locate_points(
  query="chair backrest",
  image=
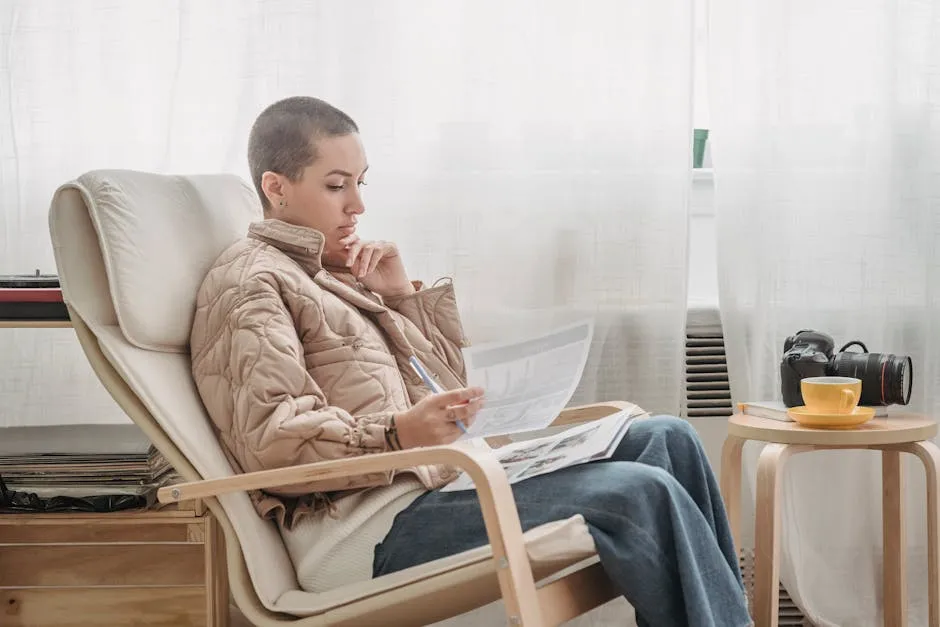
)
(132, 249)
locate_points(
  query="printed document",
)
(578, 445)
(527, 383)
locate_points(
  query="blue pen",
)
(431, 383)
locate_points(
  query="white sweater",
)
(333, 551)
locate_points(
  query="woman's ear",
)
(273, 186)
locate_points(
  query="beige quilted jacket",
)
(297, 364)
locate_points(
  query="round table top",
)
(895, 429)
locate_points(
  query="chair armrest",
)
(481, 465)
(595, 411)
(500, 516)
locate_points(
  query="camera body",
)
(806, 354)
(886, 379)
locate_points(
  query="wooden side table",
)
(164, 567)
(905, 433)
(157, 567)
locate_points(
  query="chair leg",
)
(929, 454)
(895, 545)
(731, 453)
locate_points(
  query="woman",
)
(300, 350)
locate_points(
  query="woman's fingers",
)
(376, 259)
(458, 397)
(365, 260)
(363, 257)
(354, 249)
(466, 413)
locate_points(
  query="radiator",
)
(708, 395)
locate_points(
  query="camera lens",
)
(886, 379)
(905, 378)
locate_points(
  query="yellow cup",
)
(831, 395)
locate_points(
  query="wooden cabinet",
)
(144, 568)
(126, 568)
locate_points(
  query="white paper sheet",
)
(527, 382)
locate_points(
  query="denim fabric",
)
(654, 512)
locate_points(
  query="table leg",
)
(730, 483)
(929, 454)
(767, 531)
(895, 545)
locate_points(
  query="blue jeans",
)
(654, 511)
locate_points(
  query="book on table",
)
(776, 410)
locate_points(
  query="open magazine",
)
(578, 445)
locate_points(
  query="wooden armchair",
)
(132, 249)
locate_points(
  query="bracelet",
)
(391, 435)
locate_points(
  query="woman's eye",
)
(361, 183)
(336, 188)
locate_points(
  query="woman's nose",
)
(355, 204)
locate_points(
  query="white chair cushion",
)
(78, 257)
(551, 547)
(162, 381)
(159, 235)
(165, 385)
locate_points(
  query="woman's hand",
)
(433, 420)
(378, 266)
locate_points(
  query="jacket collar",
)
(302, 244)
(305, 247)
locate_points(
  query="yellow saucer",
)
(807, 418)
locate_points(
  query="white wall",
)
(46, 380)
(703, 260)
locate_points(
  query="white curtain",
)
(538, 153)
(540, 157)
(826, 130)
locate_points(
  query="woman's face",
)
(327, 197)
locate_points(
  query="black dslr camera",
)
(886, 379)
